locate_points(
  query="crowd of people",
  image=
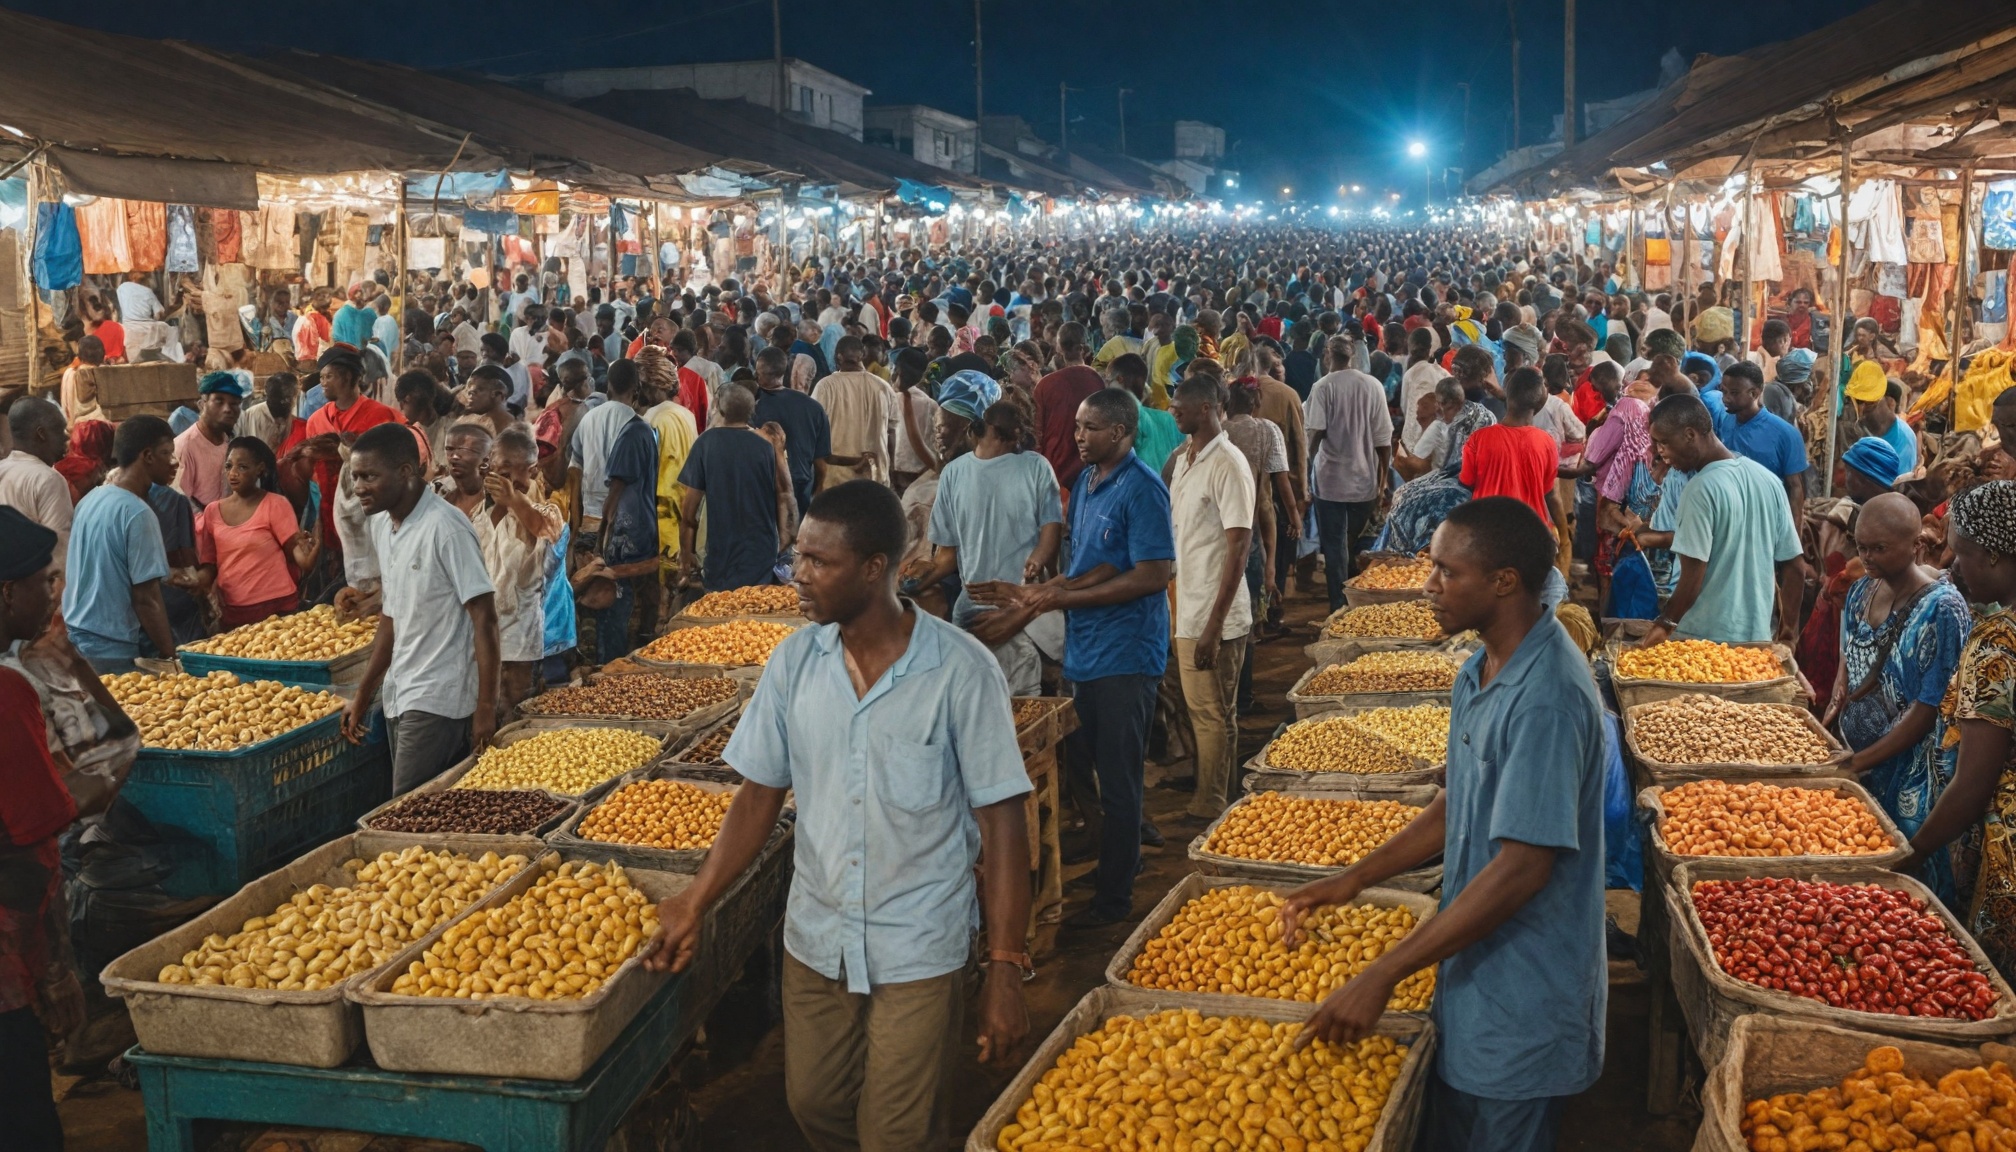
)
(1089, 467)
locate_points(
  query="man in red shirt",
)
(692, 386)
(336, 425)
(1057, 398)
(1578, 343)
(1513, 458)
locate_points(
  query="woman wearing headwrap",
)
(89, 457)
(39, 991)
(962, 398)
(1901, 628)
(1975, 817)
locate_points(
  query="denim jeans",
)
(1104, 757)
(612, 624)
(1339, 524)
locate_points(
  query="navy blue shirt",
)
(735, 470)
(631, 528)
(820, 369)
(808, 434)
(1767, 439)
(1301, 369)
(1521, 1012)
(1123, 521)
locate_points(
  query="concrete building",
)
(1196, 140)
(931, 136)
(812, 95)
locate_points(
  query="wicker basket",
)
(691, 722)
(1398, 1122)
(1661, 860)
(668, 739)
(1424, 879)
(1661, 772)
(750, 672)
(1262, 776)
(1788, 688)
(1711, 999)
(1307, 705)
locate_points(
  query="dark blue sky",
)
(1309, 95)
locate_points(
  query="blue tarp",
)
(931, 196)
(491, 223)
(467, 187)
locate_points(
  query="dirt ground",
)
(739, 1072)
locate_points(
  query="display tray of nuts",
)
(1303, 834)
(688, 700)
(1224, 938)
(470, 812)
(1397, 745)
(780, 600)
(1819, 818)
(736, 648)
(217, 712)
(1748, 673)
(570, 758)
(1696, 735)
(309, 636)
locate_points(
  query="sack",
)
(1623, 862)
(1658, 250)
(1634, 595)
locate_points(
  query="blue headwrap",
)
(1796, 366)
(968, 393)
(1702, 362)
(1873, 457)
(829, 339)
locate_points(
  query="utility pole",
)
(1569, 118)
(1512, 19)
(777, 49)
(979, 85)
(1463, 157)
(1063, 124)
(1123, 120)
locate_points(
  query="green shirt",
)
(1155, 436)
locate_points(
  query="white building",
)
(932, 136)
(812, 95)
(1196, 140)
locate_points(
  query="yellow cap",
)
(1868, 382)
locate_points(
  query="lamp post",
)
(1419, 151)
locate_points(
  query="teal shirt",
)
(1155, 436)
(1734, 517)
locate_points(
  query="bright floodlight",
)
(1417, 149)
(1356, 188)
(1287, 191)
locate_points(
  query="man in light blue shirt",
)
(894, 730)
(1734, 531)
(1522, 992)
(117, 561)
(1755, 433)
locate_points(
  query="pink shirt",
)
(200, 474)
(251, 558)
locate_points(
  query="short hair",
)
(1683, 412)
(495, 345)
(912, 362)
(623, 378)
(869, 516)
(470, 428)
(1119, 407)
(848, 346)
(494, 375)
(1451, 389)
(1746, 371)
(1071, 335)
(137, 435)
(414, 383)
(1471, 363)
(392, 443)
(1129, 364)
(1507, 533)
(735, 403)
(285, 381)
(774, 359)
(1200, 390)
(1776, 328)
(30, 413)
(518, 440)
(1525, 390)
(91, 349)
(684, 341)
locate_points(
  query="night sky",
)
(1310, 96)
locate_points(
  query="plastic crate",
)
(231, 816)
(347, 669)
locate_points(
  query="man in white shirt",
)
(27, 480)
(1351, 441)
(859, 406)
(439, 607)
(1211, 499)
(594, 441)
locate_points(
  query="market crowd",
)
(1088, 468)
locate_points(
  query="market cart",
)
(1049, 719)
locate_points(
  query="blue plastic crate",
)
(229, 817)
(312, 673)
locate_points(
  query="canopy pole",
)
(1837, 345)
(1745, 317)
(398, 351)
(30, 233)
(1954, 342)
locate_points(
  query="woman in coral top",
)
(249, 546)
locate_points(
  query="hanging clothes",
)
(1876, 222)
(350, 245)
(224, 293)
(101, 226)
(182, 254)
(230, 245)
(147, 234)
(59, 251)
(276, 250)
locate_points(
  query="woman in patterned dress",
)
(1901, 633)
(1976, 814)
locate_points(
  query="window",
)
(805, 99)
(941, 143)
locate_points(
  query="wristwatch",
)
(1663, 622)
(1019, 959)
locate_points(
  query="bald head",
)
(1886, 535)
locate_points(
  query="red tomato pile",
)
(1855, 946)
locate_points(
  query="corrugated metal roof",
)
(539, 135)
(120, 95)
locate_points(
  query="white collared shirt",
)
(1208, 497)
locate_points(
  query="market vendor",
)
(1734, 531)
(1522, 991)
(39, 990)
(893, 729)
(1902, 628)
(439, 608)
(1975, 722)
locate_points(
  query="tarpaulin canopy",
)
(119, 97)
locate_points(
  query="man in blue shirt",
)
(1754, 432)
(740, 477)
(808, 432)
(1115, 598)
(894, 730)
(117, 561)
(1522, 991)
(1877, 399)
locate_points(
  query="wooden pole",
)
(1568, 117)
(1837, 347)
(1745, 316)
(1512, 20)
(30, 231)
(397, 354)
(1954, 340)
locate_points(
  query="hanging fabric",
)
(224, 293)
(59, 250)
(229, 243)
(1876, 222)
(182, 252)
(276, 250)
(101, 226)
(147, 234)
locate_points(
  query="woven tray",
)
(691, 722)
(1262, 776)
(750, 672)
(1307, 705)
(1662, 860)
(1425, 879)
(1785, 689)
(1663, 772)
(668, 735)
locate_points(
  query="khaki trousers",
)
(1212, 697)
(866, 1072)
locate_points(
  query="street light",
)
(1419, 151)
(1357, 188)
